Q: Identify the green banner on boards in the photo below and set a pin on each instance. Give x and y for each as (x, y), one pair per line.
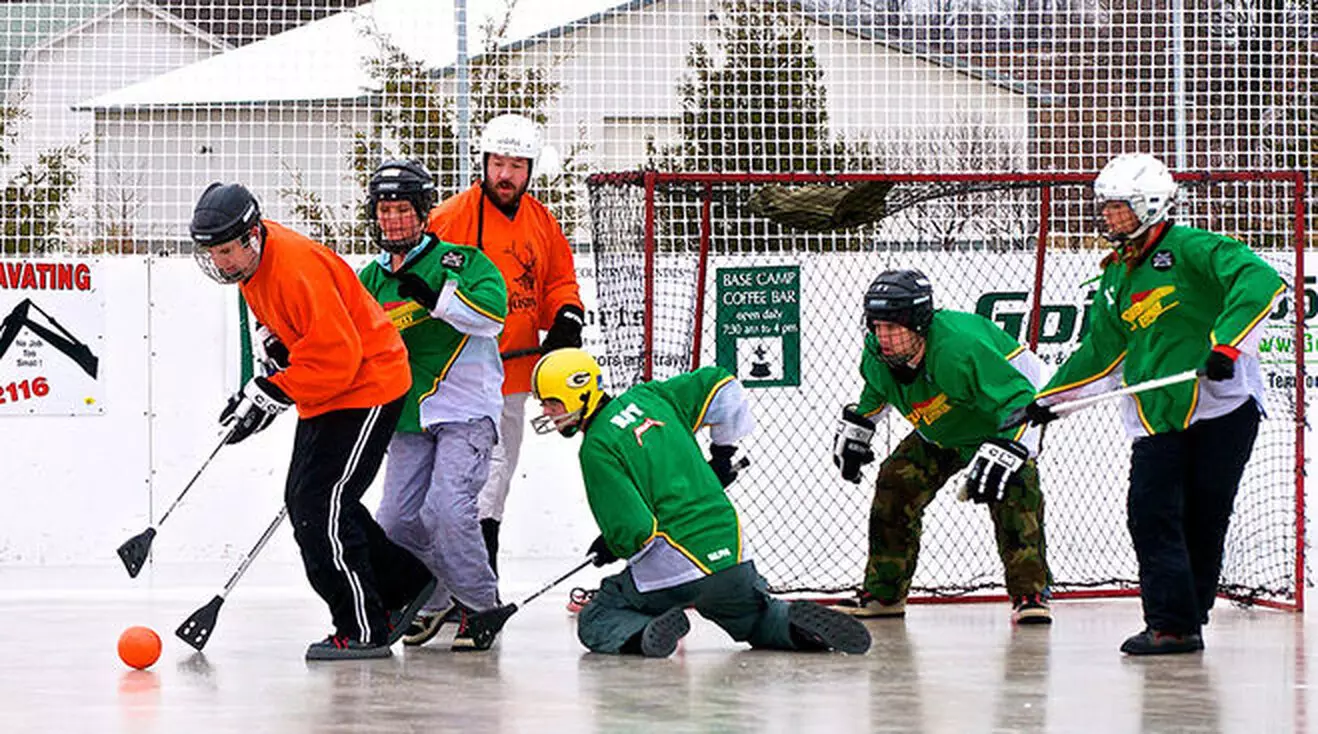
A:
(758, 321)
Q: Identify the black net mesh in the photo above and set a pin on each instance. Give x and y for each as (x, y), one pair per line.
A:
(977, 239)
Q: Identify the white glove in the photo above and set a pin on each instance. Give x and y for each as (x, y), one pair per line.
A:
(253, 409)
(851, 443)
(996, 462)
(276, 354)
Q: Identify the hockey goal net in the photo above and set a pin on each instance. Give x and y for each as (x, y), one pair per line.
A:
(764, 274)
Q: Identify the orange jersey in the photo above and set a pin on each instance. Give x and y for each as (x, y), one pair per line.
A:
(343, 351)
(536, 262)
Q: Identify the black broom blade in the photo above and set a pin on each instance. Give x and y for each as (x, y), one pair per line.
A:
(135, 550)
(196, 630)
(485, 625)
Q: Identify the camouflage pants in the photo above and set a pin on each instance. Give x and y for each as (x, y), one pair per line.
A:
(907, 482)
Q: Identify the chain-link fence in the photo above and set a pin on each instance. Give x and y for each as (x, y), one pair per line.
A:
(117, 113)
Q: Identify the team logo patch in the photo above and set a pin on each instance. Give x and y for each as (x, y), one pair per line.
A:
(578, 380)
(1163, 260)
(452, 259)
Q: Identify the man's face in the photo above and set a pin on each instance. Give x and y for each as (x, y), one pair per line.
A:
(236, 259)
(506, 178)
(554, 410)
(398, 221)
(1119, 218)
(897, 342)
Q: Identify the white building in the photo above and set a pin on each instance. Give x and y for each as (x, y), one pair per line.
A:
(124, 44)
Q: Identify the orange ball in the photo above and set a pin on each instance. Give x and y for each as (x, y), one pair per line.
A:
(139, 647)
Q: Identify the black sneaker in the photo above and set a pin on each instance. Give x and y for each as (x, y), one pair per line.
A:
(1153, 642)
(828, 628)
(467, 639)
(1031, 609)
(425, 626)
(400, 620)
(660, 636)
(337, 647)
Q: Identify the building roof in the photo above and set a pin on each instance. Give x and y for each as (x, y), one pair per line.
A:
(240, 22)
(334, 47)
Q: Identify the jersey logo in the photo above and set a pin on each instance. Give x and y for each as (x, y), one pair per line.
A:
(640, 430)
(1147, 306)
(406, 314)
(1163, 260)
(523, 254)
(453, 260)
(626, 416)
(720, 553)
(929, 410)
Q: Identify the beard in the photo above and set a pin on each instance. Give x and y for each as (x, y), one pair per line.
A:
(505, 197)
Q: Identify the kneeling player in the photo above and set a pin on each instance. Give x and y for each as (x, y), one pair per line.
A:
(955, 376)
(662, 507)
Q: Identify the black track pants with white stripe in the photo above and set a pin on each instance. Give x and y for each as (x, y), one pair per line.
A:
(358, 571)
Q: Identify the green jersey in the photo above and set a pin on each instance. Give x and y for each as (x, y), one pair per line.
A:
(457, 374)
(972, 377)
(1191, 290)
(654, 497)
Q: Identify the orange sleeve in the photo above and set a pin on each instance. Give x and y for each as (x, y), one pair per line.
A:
(325, 358)
(454, 219)
(560, 283)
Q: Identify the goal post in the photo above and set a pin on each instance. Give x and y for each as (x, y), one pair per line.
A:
(764, 273)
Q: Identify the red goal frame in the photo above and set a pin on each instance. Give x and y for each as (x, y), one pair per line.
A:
(705, 184)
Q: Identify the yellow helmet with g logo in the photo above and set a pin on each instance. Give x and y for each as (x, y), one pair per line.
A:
(572, 377)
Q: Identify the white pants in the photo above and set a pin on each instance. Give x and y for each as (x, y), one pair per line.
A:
(429, 507)
(503, 461)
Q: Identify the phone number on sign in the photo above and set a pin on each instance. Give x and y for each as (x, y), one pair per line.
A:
(14, 392)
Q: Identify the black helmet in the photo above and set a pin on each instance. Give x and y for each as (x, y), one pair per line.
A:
(224, 212)
(902, 297)
(399, 180)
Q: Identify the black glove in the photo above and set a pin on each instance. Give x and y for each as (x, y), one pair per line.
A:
(253, 409)
(566, 329)
(1220, 365)
(1039, 414)
(413, 286)
(600, 549)
(720, 460)
(996, 462)
(275, 351)
(1034, 413)
(851, 443)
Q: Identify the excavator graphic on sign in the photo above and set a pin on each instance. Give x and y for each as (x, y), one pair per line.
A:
(65, 342)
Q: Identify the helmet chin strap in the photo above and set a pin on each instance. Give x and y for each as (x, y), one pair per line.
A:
(399, 247)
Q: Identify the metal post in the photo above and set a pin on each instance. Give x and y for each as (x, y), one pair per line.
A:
(464, 95)
(1178, 81)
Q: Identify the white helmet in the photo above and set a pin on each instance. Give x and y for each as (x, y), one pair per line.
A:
(1141, 181)
(514, 136)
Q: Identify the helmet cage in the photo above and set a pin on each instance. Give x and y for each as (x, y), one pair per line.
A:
(249, 240)
(1144, 184)
(226, 213)
(400, 181)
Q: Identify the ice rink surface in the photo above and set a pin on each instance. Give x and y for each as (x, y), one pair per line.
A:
(945, 668)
